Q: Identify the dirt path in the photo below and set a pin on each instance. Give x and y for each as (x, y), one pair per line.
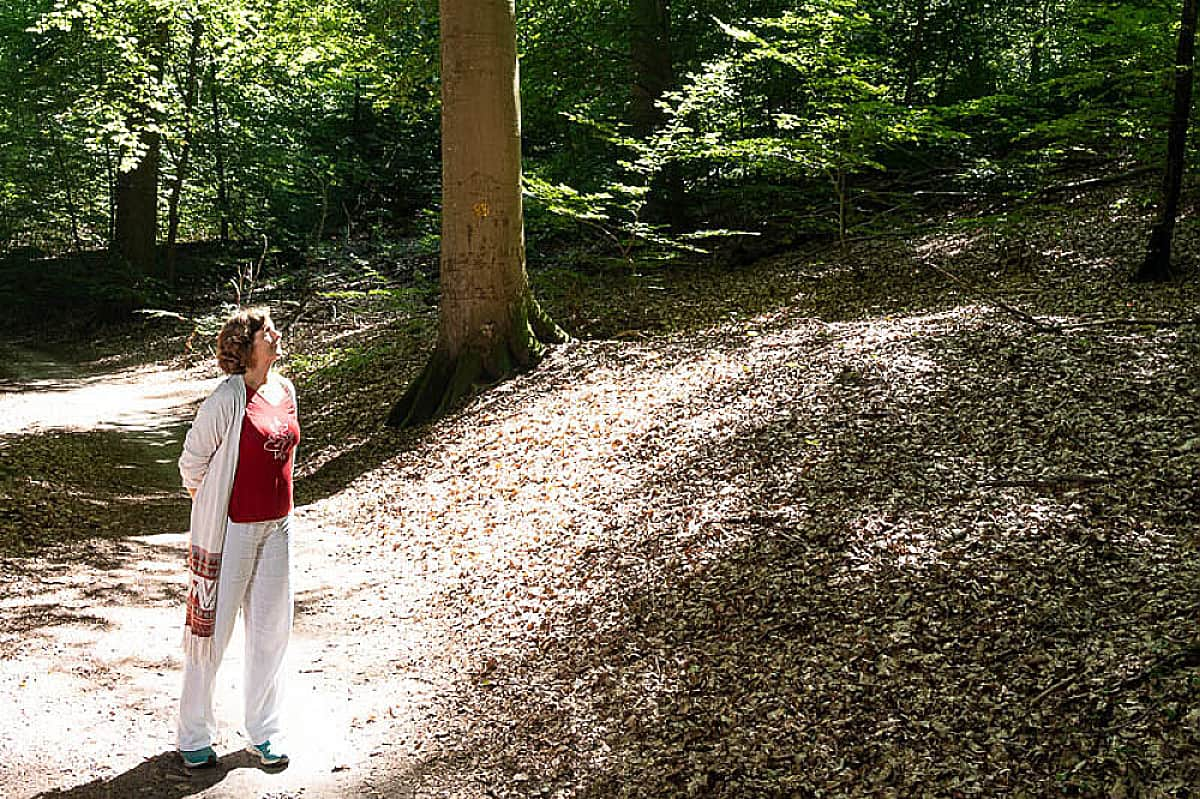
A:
(39, 392)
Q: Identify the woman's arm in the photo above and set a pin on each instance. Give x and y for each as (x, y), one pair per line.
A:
(202, 441)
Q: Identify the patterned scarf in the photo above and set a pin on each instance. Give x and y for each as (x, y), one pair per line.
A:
(204, 568)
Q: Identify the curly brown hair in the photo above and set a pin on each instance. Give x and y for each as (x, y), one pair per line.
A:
(235, 342)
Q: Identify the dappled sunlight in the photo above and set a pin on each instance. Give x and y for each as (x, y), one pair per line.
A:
(629, 547)
(948, 245)
(653, 559)
(911, 547)
(877, 540)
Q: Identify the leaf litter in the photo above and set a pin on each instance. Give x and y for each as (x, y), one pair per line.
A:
(878, 539)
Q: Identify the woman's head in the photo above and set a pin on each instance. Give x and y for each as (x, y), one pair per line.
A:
(247, 338)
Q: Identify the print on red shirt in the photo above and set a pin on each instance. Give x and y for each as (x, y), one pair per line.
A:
(280, 440)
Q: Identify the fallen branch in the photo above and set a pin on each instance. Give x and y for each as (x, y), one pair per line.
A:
(1045, 327)
(1092, 183)
(1063, 683)
(1063, 188)
(1046, 482)
(1188, 657)
(1118, 322)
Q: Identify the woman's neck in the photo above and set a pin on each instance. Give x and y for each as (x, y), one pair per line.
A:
(255, 378)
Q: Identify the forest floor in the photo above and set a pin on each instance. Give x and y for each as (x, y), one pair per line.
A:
(834, 524)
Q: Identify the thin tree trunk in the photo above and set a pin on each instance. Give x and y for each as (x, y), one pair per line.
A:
(489, 325)
(1157, 265)
(916, 43)
(72, 209)
(111, 173)
(218, 150)
(952, 46)
(1036, 43)
(181, 168)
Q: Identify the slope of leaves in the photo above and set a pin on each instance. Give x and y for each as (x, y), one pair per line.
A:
(883, 540)
(831, 525)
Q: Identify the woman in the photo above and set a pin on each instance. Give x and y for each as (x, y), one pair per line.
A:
(237, 465)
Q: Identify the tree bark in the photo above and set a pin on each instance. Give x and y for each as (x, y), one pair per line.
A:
(222, 184)
(916, 46)
(136, 227)
(135, 230)
(653, 74)
(489, 325)
(650, 56)
(181, 167)
(1157, 265)
(72, 208)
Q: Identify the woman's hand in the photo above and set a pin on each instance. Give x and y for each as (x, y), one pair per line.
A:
(192, 493)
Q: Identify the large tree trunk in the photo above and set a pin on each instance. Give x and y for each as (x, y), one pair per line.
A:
(489, 324)
(135, 230)
(1157, 266)
(136, 226)
(650, 56)
(653, 73)
(190, 92)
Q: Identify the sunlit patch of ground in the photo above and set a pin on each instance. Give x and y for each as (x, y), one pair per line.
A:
(101, 402)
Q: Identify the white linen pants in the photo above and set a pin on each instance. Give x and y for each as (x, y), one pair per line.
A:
(255, 578)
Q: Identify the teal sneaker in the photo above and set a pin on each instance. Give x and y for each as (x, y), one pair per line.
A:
(199, 758)
(266, 755)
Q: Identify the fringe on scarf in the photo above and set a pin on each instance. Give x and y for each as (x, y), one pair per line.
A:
(196, 648)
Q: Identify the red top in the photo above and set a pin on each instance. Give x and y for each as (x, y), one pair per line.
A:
(262, 485)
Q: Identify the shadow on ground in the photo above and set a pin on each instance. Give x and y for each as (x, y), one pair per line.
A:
(59, 487)
(163, 777)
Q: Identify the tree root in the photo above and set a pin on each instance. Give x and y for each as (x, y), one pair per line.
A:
(447, 378)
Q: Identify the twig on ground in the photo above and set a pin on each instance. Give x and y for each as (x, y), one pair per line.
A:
(1045, 327)
(1047, 482)
(1063, 683)
(1187, 657)
(1118, 321)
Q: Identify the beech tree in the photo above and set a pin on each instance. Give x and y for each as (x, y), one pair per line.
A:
(489, 324)
(135, 231)
(1157, 265)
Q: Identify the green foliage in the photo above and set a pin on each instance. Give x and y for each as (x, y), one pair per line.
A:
(317, 120)
(794, 97)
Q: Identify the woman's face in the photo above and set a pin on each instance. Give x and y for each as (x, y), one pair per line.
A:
(267, 345)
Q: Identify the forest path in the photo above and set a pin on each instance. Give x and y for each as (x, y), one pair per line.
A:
(91, 669)
(40, 391)
(104, 433)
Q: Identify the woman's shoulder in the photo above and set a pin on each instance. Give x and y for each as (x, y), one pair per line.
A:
(227, 393)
